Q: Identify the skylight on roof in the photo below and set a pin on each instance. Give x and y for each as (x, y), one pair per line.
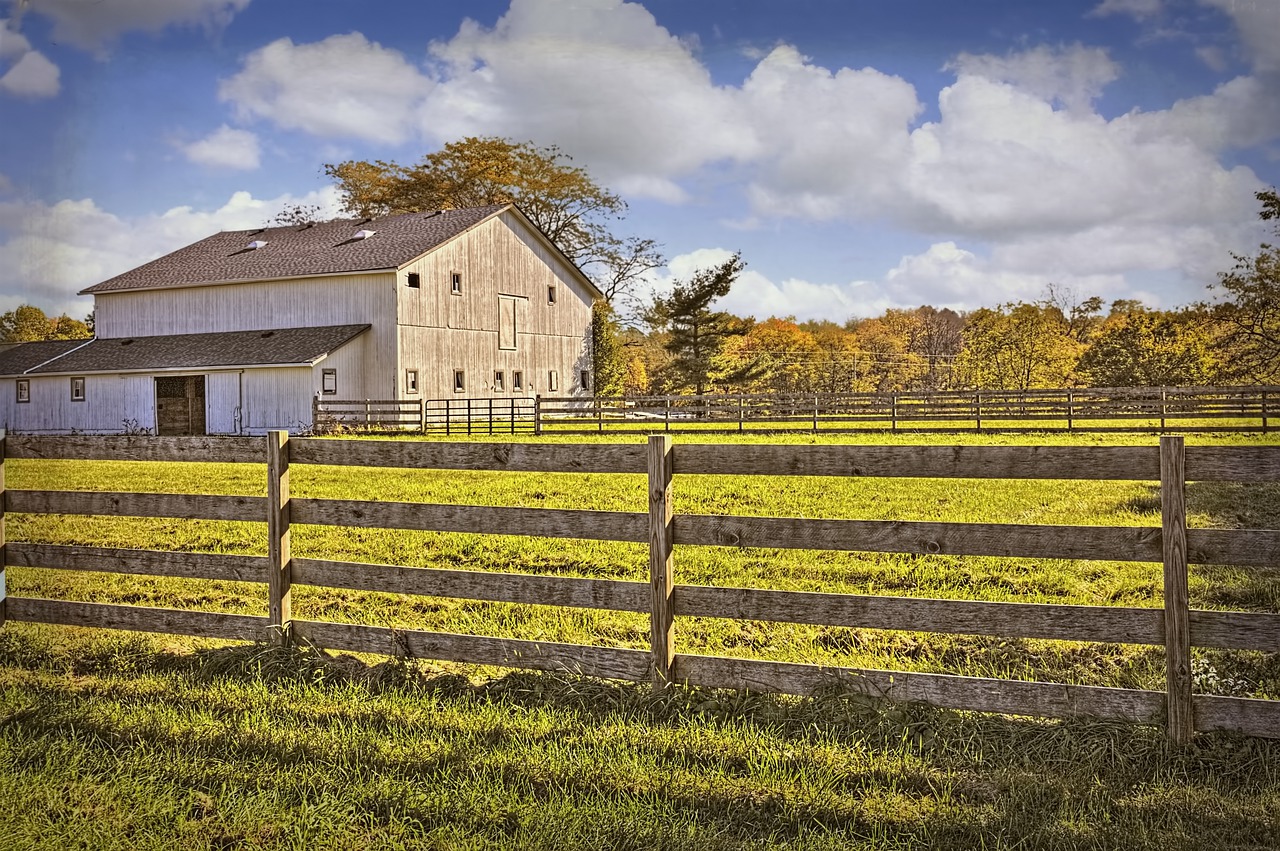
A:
(256, 244)
(364, 234)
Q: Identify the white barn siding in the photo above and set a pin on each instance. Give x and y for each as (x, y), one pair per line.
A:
(113, 404)
(440, 332)
(355, 380)
(277, 398)
(300, 303)
(222, 402)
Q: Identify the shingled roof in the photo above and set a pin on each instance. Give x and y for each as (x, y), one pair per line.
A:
(15, 360)
(322, 248)
(274, 347)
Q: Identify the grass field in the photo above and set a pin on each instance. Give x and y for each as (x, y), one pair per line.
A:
(116, 740)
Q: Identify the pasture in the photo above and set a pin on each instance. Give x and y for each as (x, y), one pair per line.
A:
(140, 739)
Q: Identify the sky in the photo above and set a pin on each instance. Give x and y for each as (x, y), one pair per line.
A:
(860, 154)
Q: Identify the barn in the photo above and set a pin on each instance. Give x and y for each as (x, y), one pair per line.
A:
(239, 333)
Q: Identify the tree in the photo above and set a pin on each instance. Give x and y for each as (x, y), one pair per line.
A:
(1143, 348)
(696, 334)
(1017, 347)
(776, 356)
(608, 367)
(557, 196)
(27, 323)
(298, 215)
(1250, 318)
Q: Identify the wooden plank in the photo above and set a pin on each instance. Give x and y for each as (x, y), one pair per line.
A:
(605, 662)
(1011, 697)
(185, 506)
(514, 457)
(977, 462)
(138, 619)
(1233, 463)
(279, 537)
(968, 617)
(220, 450)
(181, 565)
(476, 519)
(609, 594)
(1236, 630)
(1177, 609)
(661, 613)
(1245, 715)
(1242, 547)
(1115, 543)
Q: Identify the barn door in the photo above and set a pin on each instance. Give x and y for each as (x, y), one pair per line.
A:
(180, 405)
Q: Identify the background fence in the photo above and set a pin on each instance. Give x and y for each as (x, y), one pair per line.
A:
(1176, 627)
(1186, 409)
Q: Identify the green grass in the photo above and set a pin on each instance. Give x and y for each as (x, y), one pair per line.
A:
(118, 740)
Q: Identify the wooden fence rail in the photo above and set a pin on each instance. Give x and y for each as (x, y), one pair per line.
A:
(1176, 626)
(1185, 409)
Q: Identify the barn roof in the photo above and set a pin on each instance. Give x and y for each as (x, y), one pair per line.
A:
(273, 347)
(323, 248)
(15, 360)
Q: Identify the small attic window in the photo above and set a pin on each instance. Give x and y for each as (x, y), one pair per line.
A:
(364, 234)
(256, 244)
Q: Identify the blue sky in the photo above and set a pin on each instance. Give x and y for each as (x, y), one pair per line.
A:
(860, 154)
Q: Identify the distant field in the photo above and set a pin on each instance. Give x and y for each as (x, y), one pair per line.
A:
(97, 713)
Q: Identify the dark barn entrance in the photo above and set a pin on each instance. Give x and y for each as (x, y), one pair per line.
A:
(180, 405)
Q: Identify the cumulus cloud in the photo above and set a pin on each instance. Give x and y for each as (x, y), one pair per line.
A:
(1138, 9)
(27, 72)
(1257, 23)
(226, 147)
(344, 86)
(49, 252)
(92, 25)
(1072, 76)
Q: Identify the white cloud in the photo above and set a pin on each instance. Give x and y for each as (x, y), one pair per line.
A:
(226, 148)
(1258, 23)
(91, 25)
(48, 253)
(1240, 113)
(1071, 76)
(344, 85)
(30, 73)
(1138, 9)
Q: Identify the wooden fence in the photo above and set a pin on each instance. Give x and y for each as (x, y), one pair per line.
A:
(1185, 409)
(1176, 627)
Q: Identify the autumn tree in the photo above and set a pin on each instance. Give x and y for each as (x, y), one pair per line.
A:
(608, 366)
(1145, 348)
(560, 198)
(27, 323)
(1017, 347)
(694, 333)
(1250, 316)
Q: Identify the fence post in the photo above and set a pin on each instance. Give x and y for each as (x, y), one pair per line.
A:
(448, 417)
(513, 415)
(1071, 399)
(893, 411)
(1163, 408)
(815, 413)
(1177, 613)
(662, 639)
(279, 555)
(977, 407)
(468, 416)
(3, 559)
(537, 414)
(599, 414)
(742, 412)
(366, 414)
(315, 413)
(422, 415)
(490, 415)
(1264, 412)
(666, 415)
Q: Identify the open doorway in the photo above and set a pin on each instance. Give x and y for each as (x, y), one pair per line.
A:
(180, 405)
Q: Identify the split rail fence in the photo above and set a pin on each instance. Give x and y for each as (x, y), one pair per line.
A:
(1176, 627)
(1185, 409)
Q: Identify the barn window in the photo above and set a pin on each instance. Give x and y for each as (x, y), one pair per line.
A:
(517, 380)
(455, 283)
(77, 390)
(551, 295)
(24, 390)
(329, 381)
(553, 381)
(415, 280)
(584, 378)
(411, 381)
(499, 380)
(459, 381)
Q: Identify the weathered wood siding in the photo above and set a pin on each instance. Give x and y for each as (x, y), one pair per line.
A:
(440, 332)
(224, 405)
(278, 398)
(112, 404)
(299, 303)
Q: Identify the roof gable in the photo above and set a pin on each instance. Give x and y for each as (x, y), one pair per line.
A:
(323, 248)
